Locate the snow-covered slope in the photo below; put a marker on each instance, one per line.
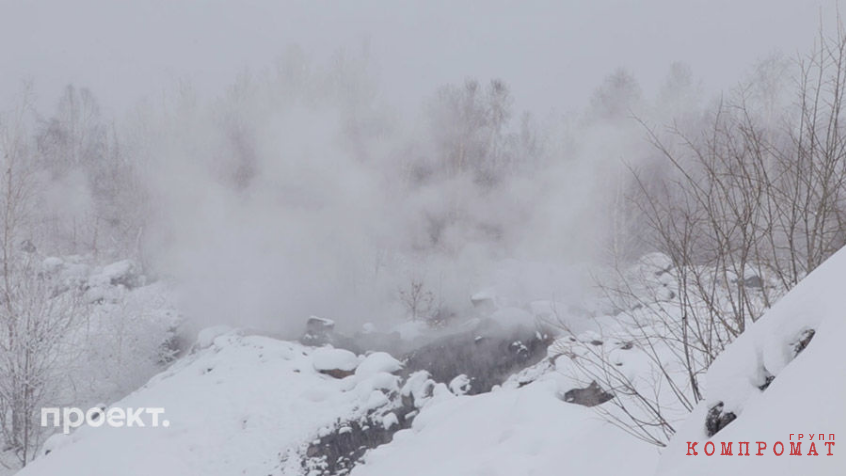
(235, 408)
(807, 394)
(251, 405)
(510, 432)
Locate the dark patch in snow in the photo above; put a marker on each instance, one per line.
(338, 373)
(336, 453)
(803, 341)
(768, 379)
(763, 379)
(716, 420)
(800, 344)
(320, 332)
(753, 282)
(590, 396)
(488, 361)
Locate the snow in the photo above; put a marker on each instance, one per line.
(240, 406)
(124, 272)
(419, 386)
(526, 431)
(52, 264)
(460, 385)
(513, 318)
(206, 337)
(390, 420)
(411, 330)
(485, 300)
(378, 362)
(250, 405)
(334, 359)
(806, 396)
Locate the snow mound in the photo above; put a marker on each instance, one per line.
(378, 362)
(125, 273)
(326, 359)
(526, 431)
(246, 405)
(784, 375)
(206, 337)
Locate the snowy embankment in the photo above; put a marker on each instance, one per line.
(256, 406)
(239, 406)
(511, 431)
(785, 375)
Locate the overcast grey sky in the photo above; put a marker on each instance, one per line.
(553, 53)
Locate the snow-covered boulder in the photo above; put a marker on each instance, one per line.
(485, 301)
(321, 331)
(338, 363)
(460, 385)
(52, 265)
(125, 273)
(377, 362)
(318, 331)
(525, 431)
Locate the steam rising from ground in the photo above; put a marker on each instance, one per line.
(324, 185)
(298, 192)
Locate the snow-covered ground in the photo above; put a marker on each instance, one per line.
(251, 405)
(512, 431)
(807, 394)
(254, 405)
(235, 407)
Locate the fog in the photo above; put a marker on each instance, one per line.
(552, 53)
(295, 159)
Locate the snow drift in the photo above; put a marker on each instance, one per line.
(783, 376)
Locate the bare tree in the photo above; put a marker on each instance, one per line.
(36, 318)
(750, 205)
(418, 301)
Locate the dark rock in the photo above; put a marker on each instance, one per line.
(768, 379)
(803, 341)
(484, 302)
(336, 453)
(716, 420)
(753, 282)
(589, 396)
(318, 325)
(320, 332)
(338, 373)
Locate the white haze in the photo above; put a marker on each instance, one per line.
(551, 52)
(325, 222)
